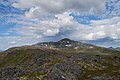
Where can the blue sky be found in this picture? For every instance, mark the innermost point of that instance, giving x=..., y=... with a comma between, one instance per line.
x=91, y=21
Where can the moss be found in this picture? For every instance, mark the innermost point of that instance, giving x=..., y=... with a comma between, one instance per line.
x=16, y=58
x=41, y=77
x=32, y=76
x=23, y=78
x=105, y=67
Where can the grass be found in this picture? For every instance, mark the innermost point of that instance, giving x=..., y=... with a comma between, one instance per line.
x=95, y=70
x=15, y=58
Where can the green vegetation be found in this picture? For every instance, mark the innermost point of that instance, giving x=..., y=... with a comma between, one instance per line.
x=38, y=63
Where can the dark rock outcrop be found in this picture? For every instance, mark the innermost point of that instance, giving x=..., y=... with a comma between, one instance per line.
x=65, y=71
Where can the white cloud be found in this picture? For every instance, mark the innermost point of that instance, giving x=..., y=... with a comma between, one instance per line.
x=113, y=8
x=47, y=27
x=65, y=24
x=40, y=8
x=51, y=32
x=36, y=12
x=97, y=35
x=12, y=43
x=110, y=27
x=111, y=21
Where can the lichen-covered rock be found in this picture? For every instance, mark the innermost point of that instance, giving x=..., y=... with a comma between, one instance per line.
x=10, y=74
x=65, y=71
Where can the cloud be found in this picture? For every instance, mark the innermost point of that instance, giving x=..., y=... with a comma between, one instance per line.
x=12, y=43
x=45, y=20
x=64, y=25
x=111, y=27
x=109, y=21
x=40, y=8
x=47, y=27
x=94, y=36
x=112, y=8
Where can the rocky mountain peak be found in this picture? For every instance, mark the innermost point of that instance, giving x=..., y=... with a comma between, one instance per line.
x=65, y=44
x=66, y=40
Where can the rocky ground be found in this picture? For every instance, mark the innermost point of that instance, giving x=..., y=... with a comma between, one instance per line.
x=62, y=60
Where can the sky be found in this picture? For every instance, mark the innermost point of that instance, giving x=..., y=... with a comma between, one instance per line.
x=24, y=22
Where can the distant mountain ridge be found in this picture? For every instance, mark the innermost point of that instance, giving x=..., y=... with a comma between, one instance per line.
x=117, y=48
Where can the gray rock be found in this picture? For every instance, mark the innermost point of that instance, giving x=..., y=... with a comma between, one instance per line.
x=65, y=71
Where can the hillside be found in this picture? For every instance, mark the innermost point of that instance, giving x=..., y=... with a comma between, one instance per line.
x=62, y=60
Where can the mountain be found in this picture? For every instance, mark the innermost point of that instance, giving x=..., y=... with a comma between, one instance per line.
x=65, y=44
x=104, y=41
x=62, y=60
x=117, y=48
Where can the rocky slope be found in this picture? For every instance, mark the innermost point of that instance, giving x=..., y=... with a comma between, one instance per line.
x=62, y=60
